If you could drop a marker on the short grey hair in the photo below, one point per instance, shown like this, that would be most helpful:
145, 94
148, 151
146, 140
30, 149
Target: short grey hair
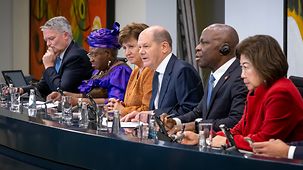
60, 24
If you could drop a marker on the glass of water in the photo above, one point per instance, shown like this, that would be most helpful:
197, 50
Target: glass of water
66, 108
15, 100
3, 95
205, 135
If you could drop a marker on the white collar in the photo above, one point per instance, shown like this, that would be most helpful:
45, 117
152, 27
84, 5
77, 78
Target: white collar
162, 66
221, 70
61, 55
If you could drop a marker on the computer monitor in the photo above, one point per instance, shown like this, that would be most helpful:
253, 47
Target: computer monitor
15, 77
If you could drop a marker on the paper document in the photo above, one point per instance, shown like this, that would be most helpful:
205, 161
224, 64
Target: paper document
123, 124
40, 104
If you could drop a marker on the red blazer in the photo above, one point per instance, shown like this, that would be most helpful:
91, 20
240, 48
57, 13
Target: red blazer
271, 113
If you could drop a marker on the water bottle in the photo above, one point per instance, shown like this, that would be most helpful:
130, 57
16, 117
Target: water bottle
116, 122
152, 131
11, 92
84, 115
32, 107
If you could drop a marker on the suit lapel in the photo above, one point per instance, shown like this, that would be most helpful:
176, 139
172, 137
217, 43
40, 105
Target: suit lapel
64, 57
221, 82
154, 93
166, 78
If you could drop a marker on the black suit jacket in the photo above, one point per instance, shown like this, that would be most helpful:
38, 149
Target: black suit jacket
298, 152
227, 102
299, 149
181, 88
74, 68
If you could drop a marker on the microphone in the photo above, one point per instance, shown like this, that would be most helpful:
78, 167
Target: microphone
92, 107
60, 91
229, 136
93, 103
161, 125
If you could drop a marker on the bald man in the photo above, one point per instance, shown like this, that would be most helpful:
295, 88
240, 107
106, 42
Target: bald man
225, 103
177, 86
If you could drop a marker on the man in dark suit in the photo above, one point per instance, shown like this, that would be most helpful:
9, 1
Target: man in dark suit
277, 148
224, 99
65, 63
177, 87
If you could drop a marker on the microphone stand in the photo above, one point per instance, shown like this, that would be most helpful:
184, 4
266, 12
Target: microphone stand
230, 138
92, 108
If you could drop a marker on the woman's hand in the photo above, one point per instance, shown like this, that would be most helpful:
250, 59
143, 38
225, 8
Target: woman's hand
129, 117
218, 141
272, 148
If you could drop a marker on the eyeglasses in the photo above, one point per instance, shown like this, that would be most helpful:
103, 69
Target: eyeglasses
93, 54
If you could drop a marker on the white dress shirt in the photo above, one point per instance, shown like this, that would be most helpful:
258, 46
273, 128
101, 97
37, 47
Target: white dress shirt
161, 70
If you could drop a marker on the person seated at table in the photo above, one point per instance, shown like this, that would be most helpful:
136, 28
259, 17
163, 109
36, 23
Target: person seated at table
65, 62
176, 85
224, 102
110, 77
274, 105
277, 148
139, 87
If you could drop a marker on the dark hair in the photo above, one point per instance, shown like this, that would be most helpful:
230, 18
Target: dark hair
131, 31
266, 56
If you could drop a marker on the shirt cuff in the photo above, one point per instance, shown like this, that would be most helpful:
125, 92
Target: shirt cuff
291, 152
178, 121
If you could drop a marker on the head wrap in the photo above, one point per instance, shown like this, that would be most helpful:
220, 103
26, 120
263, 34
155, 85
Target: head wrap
105, 38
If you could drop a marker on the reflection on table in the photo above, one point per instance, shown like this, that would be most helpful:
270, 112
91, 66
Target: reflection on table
45, 141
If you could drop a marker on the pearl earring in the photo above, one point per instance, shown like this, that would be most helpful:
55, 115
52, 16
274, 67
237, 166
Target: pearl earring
109, 62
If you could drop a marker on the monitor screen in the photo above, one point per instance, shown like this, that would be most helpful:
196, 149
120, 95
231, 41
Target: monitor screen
15, 77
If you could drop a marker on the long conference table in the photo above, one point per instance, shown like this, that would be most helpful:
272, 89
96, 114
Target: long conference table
42, 142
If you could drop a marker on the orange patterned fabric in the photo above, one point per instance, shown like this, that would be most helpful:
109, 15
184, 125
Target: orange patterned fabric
138, 91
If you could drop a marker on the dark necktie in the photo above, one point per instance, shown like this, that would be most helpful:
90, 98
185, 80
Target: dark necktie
155, 87
211, 81
58, 64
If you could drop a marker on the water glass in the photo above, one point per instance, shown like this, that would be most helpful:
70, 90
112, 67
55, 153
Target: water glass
15, 100
3, 96
66, 108
143, 126
101, 118
109, 118
205, 135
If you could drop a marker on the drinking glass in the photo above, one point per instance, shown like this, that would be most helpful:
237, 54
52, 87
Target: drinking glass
66, 108
15, 100
143, 126
3, 95
101, 118
205, 135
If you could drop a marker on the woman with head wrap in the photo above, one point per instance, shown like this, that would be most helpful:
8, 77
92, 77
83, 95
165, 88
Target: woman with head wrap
110, 77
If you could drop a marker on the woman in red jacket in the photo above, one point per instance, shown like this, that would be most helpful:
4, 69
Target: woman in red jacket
274, 107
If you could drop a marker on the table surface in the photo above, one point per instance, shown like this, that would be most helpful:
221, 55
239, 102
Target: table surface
44, 142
